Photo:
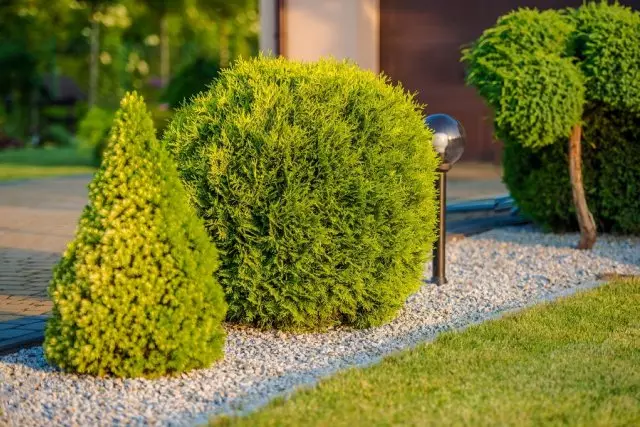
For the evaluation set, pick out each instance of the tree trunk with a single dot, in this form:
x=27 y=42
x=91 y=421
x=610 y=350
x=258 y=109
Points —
x=164 y=51
x=224 y=42
x=585 y=219
x=94 y=65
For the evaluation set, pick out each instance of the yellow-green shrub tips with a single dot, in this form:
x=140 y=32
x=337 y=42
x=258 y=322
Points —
x=316 y=183
x=134 y=294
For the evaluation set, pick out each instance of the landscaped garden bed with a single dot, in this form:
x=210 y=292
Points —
x=496 y=271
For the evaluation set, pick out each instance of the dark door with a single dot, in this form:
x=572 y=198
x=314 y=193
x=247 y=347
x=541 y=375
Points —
x=420 y=43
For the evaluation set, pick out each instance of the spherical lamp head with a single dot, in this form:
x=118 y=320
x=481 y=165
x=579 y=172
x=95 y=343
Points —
x=449 y=137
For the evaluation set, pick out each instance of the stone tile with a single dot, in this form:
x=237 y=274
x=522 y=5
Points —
x=38 y=219
x=37 y=326
x=8 y=333
x=14 y=344
x=21 y=321
x=5 y=317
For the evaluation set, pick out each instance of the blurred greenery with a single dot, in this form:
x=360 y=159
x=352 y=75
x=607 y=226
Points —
x=43 y=162
x=105 y=48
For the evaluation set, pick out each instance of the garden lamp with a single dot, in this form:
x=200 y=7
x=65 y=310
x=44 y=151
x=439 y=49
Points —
x=448 y=140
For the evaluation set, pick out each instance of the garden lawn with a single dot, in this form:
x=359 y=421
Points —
x=575 y=361
x=45 y=162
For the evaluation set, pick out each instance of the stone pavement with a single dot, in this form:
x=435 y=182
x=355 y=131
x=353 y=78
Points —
x=38 y=218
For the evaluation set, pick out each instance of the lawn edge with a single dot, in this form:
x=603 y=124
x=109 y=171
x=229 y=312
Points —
x=205 y=420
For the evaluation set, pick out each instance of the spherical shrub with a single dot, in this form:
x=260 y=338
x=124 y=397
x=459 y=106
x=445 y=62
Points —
x=93 y=132
x=538 y=179
x=497 y=56
x=524 y=53
x=316 y=182
x=134 y=294
x=536 y=121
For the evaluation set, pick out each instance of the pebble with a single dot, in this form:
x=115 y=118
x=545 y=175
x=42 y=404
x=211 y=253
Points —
x=488 y=274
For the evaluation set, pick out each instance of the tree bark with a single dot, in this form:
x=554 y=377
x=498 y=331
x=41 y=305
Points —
x=94 y=66
x=585 y=219
x=164 y=51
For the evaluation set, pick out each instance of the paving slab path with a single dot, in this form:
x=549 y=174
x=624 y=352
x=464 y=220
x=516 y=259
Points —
x=37 y=220
x=39 y=217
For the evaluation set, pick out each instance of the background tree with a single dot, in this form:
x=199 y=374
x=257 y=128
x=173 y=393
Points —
x=29 y=49
x=544 y=73
x=94 y=8
x=161 y=10
x=222 y=12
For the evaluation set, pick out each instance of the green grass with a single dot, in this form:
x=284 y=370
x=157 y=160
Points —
x=45 y=162
x=572 y=362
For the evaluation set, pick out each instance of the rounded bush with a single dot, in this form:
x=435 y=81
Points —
x=540 y=120
x=134 y=293
x=538 y=179
x=607 y=43
x=498 y=55
x=316 y=182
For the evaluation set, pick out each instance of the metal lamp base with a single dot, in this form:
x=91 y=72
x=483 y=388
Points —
x=439 y=276
x=439 y=281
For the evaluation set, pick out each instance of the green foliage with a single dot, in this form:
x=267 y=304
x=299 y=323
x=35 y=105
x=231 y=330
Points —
x=190 y=80
x=538 y=179
x=18 y=71
x=57 y=135
x=607 y=43
x=536 y=121
x=538 y=71
x=161 y=117
x=522 y=35
x=524 y=54
x=93 y=131
x=134 y=293
x=316 y=183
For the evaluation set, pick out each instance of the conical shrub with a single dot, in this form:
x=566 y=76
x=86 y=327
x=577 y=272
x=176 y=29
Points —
x=134 y=294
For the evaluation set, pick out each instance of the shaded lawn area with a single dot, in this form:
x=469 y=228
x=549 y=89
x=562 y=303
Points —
x=575 y=361
x=46 y=162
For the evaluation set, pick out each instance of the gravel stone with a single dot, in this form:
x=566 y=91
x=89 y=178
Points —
x=488 y=274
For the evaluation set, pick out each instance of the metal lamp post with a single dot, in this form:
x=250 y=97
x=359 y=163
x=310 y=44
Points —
x=448 y=140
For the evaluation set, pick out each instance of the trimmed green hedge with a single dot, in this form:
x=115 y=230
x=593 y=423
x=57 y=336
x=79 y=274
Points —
x=316 y=182
x=134 y=293
x=542 y=73
x=539 y=179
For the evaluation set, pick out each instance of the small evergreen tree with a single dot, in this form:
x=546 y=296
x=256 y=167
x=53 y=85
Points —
x=547 y=74
x=134 y=294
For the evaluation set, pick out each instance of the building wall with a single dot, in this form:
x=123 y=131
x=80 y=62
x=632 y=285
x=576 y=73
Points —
x=313 y=29
x=420 y=46
x=269 y=26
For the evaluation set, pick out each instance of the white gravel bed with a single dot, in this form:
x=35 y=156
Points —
x=490 y=273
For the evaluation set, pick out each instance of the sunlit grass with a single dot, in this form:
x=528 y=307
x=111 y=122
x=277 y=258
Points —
x=572 y=362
